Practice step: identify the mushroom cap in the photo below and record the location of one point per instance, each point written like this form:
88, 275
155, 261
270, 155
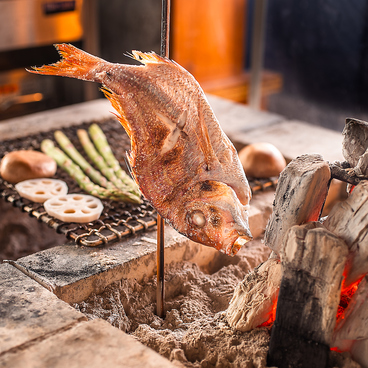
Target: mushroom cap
262, 160
22, 165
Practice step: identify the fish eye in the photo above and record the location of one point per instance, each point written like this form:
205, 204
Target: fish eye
198, 219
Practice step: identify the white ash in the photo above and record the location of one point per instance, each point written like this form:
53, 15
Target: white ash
195, 332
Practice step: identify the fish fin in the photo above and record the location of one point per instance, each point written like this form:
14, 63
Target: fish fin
181, 125
129, 162
175, 130
205, 143
149, 57
113, 98
75, 63
120, 115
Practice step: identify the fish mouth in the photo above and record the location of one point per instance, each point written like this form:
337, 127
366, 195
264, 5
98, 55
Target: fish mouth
238, 244
238, 236
241, 240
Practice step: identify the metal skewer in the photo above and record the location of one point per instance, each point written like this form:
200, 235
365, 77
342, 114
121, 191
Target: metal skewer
165, 28
160, 292
260, 7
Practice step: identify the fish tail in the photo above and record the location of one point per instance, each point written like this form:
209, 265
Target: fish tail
75, 63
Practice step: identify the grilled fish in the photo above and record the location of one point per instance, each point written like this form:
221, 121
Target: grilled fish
181, 159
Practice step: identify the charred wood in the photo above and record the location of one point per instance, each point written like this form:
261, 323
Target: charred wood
312, 262
352, 324
299, 198
355, 140
255, 296
351, 333
347, 175
354, 149
349, 221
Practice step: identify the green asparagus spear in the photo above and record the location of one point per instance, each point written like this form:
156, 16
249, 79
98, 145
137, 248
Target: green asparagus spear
99, 161
73, 153
48, 147
100, 141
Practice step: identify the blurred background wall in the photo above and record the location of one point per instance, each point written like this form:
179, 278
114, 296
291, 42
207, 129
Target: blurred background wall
315, 58
321, 49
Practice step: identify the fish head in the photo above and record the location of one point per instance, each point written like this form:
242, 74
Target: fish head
214, 216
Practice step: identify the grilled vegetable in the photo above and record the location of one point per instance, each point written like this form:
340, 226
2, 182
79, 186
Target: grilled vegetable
22, 165
83, 181
73, 153
100, 141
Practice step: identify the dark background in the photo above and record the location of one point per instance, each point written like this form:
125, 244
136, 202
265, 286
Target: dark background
320, 47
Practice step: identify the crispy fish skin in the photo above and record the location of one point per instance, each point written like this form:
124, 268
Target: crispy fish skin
181, 159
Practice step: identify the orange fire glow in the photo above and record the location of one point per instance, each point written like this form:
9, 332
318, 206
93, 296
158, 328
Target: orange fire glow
346, 295
272, 317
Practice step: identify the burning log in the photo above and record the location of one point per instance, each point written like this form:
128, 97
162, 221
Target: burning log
351, 331
254, 298
300, 195
349, 221
313, 260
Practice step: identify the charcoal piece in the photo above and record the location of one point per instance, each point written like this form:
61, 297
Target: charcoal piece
295, 351
299, 198
254, 297
352, 324
349, 221
312, 261
355, 140
355, 145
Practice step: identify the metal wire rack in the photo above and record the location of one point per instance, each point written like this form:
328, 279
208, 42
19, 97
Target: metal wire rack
118, 219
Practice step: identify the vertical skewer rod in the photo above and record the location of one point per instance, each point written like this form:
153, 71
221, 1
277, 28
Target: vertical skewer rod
258, 41
165, 28
160, 292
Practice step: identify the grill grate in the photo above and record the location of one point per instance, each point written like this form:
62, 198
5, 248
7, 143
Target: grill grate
118, 219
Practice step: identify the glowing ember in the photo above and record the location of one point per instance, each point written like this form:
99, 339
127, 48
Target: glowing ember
272, 318
346, 295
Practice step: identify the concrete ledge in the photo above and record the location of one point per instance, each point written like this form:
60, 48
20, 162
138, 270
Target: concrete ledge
28, 311
74, 272
232, 117
92, 344
242, 124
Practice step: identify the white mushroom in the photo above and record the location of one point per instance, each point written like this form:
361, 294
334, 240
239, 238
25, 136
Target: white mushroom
22, 165
262, 160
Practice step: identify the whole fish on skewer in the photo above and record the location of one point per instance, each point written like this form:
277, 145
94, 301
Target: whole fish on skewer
181, 159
